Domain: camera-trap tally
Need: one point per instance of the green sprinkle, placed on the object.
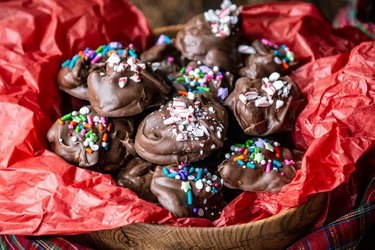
(183, 70)
(87, 135)
(205, 89)
(66, 117)
(180, 79)
(98, 50)
(77, 129)
(82, 117)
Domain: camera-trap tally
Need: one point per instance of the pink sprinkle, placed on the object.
(131, 46)
(224, 12)
(287, 162)
(282, 173)
(240, 150)
(188, 69)
(170, 59)
(83, 131)
(97, 58)
(268, 166)
(173, 171)
(104, 121)
(89, 119)
(70, 126)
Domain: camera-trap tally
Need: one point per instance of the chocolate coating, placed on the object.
(69, 144)
(261, 121)
(206, 199)
(197, 42)
(165, 137)
(137, 175)
(108, 98)
(73, 81)
(263, 63)
(259, 179)
(164, 58)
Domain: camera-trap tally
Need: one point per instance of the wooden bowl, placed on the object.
(276, 232)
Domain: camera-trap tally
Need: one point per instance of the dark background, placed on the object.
(168, 12)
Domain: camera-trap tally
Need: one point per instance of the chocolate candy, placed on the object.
(259, 165)
(137, 175)
(125, 88)
(188, 191)
(265, 106)
(72, 77)
(163, 56)
(264, 57)
(186, 129)
(212, 38)
(89, 140)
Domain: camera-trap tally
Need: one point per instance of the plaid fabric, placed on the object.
(347, 231)
(13, 242)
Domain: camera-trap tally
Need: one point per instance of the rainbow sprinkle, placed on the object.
(194, 177)
(100, 54)
(251, 153)
(82, 126)
(198, 79)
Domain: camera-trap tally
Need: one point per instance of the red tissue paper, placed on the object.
(42, 194)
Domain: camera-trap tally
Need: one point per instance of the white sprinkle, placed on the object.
(201, 152)
(101, 74)
(263, 162)
(215, 68)
(211, 109)
(177, 177)
(277, 60)
(104, 144)
(214, 177)
(274, 76)
(74, 113)
(213, 146)
(279, 104)
(191, 177)
(94, 147)
(60, 140)
(155, 66)
(208, 189)
(227, 156)
(199, 184)
(84, 110)
(209, 182)
(74, 139)
(190, 95)
(276, 144)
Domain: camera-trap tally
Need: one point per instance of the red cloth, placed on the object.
(42, 194)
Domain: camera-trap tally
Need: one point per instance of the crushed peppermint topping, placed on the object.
(224, 19)
(272, 86)
(187, 121)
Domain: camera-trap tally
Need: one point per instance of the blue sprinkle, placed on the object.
(240, 162)
(73, 61)
(277, 163)
(206, 170)
(183, 177)
(64, 64)
(165, 171)
(199, 175)
(214, 189)
(132, 53)
(283, 47)
(105, 50)
(191, 170)
(250, 165)
(120, 51)
(276, 52)
(251, 150)
(189, 198)
(167, 39)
